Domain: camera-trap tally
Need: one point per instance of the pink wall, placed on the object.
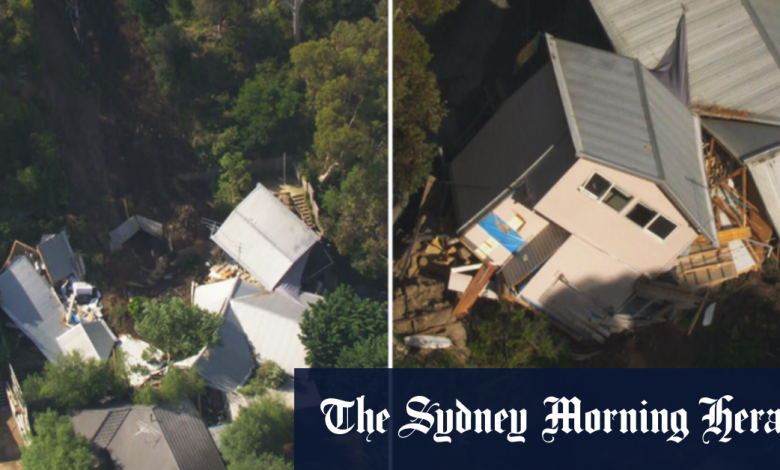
(610, 231)
(587, 268)
(534, 224)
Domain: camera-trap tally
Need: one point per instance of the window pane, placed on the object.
(617, 199)
(662, 227)
(641, 215)
(597, 185)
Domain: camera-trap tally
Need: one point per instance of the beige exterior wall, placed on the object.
(508, 209)
(587, 268)
(610, 231)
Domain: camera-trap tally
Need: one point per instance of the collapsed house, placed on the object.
(165, 437)
(258, 326)
(43, 293)
(610, 187)
(259, 291)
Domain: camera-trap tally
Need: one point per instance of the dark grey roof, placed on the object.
(166, 437)
(509, 144)
(533, 254)
(187, 436)
(621, 116)
(744, 140)
(101, 337)
(58, 257)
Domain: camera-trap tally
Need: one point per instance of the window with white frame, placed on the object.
(604, 191)
(651, 221)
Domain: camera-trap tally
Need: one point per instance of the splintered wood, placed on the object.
(743, 233)
(475, 288)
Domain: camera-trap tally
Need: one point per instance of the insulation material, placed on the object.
(502, 233)
(743, 261)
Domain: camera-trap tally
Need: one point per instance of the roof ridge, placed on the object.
(639, 70)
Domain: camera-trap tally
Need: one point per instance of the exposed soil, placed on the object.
(118, 139)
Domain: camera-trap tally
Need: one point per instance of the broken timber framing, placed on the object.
(475, 288)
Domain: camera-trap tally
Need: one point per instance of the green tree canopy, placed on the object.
(340, 321)
(512, 337)
(417, 105)
(56, 445)
(346, 90)
(264, 427)
(72, 382)
(176, 328)
(235, 179)
(264, 461)
(264, 103)
(269, 376)
(174, 386)
(370, 353)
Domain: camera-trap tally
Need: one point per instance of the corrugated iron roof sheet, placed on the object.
(264, 237)
(187, 436)
(58, 257)
(271, 323)
(228, 365)
(165, 437)
(92, 340)
(533, 254)
(620, 115)
(28, 299)
(732, 49)
(746, 141)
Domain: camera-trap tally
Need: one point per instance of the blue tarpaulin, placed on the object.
(502, 233)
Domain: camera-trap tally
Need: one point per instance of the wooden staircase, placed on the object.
(299, 200)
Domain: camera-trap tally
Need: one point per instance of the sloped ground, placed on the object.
(118, 138)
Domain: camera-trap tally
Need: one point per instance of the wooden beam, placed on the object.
(744, 196)
(475, 288)
(729, 235)
(708, 267)
(698, 313)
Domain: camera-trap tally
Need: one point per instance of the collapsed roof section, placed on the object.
(266, 238)
(29, 300)
(257, 324)
(733, 47)
(59, 258)
(621, 116)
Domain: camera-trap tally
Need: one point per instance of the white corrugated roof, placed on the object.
(271, 322)
(264, 237)
(733, 45)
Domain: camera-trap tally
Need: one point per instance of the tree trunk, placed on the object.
(295, 8)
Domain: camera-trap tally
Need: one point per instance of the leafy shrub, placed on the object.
(269, 376)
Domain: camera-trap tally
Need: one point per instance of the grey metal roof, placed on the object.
(732, 49)
(264, 237)
(271, 323)
(92, 340)
(533, 254)
(620, 115)
(28, 299)
(166, 437)
(187, 436)
(746, 141)
(526, 126)
(58, 257)
(228, 365)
